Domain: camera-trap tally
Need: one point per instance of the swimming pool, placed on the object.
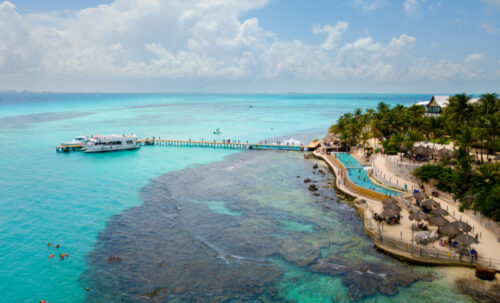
(358, 174)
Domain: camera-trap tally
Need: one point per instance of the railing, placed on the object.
(439, 255)
(377, 176)
(356, 188)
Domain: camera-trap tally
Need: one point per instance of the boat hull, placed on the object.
(103, 149)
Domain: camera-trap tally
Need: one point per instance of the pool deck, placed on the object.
(385, 236)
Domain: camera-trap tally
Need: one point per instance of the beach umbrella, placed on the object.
(389, 200)
(430, 203)
(462, 226)
(439, 212)
(448, 230)
(420, 195)
(465, 239)
(387, 213)
(444, 153)
(417, 216)
(420, 150)
(392, 206)
(438, 221)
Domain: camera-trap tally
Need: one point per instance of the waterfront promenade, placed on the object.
(397, 239)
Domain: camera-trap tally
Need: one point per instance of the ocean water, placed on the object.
(209, 214)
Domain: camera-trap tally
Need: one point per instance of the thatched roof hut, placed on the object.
(439, 212)
(417, 216)
(438, 221)
(430, 203)
(448, 230)
(462, 226)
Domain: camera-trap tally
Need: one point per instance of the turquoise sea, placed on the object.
(185, 224)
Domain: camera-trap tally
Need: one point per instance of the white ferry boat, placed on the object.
(104, 143)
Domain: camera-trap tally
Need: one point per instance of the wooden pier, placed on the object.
(209, 144)
(218, 144)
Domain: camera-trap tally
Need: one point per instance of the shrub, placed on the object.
(446, 177)
(391, 152)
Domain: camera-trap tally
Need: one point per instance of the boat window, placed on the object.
(130, 142)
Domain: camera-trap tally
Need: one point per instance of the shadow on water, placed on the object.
(236, 230)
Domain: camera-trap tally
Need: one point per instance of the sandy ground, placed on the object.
(488, 246)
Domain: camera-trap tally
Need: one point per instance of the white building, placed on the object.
(437, 103)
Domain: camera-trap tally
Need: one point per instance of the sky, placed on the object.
(250, 46)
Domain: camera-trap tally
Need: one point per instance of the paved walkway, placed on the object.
(488, 246)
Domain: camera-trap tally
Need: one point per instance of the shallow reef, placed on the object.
(205, 234)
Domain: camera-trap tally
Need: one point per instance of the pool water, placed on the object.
(358, 174)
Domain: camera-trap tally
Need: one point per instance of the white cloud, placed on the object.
(196, 41)
(489, 27)
(369, 5)
(334, 33)
(412, 8)
(434, 5)
(474, 57)
(403, 43)
(492, 5)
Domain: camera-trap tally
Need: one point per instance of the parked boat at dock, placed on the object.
(76, 141)
(105, 143)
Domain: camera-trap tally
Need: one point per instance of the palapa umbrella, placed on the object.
(389, 200)
(420, 195)
(448, 230)
(417, 216)
(465, 239)
(392, 206)
(445, 153)
(420, 150)
(462, 226)
(389, 212)
(429, 203)
(439, 212)
(438, 221)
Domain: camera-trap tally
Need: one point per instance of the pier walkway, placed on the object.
(209, 144)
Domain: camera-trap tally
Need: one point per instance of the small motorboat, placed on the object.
(76, 141)
(218, 131)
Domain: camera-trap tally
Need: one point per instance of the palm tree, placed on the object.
(452, 129)
(435, 125)
(489, 104)
(365, 137)
(396, 142)
(466, 138)
(459, 108)
(491, 125)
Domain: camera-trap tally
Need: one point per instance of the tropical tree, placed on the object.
(489, 104)
(435, 126)
(459, 108)
(491, 126)
(466, 138)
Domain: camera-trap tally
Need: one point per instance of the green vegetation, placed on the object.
(473, 127)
